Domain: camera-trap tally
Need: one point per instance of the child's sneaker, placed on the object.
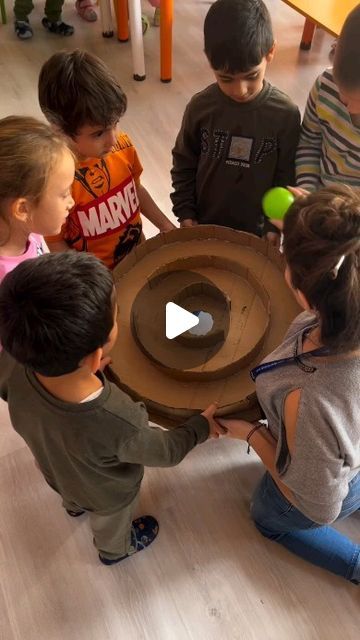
(156, 18)
(143, 532)
(59, 27)
(23, 29)
(85, 9)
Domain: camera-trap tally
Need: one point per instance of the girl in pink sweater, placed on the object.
(37, 172)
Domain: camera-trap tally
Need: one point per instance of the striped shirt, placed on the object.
(329, 147)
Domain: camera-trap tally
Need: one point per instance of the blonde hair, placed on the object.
(29, 149)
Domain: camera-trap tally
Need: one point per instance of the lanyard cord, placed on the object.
(274, 364)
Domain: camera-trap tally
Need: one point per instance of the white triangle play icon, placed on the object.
(178, 320)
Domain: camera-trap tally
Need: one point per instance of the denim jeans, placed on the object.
(276, 518)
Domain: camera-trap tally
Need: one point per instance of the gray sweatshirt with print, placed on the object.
(228, 154)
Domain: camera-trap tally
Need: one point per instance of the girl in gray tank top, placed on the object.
(309, 390)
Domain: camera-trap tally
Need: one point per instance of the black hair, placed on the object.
(238, 34)
(347, 53)
(55, 310)
(76, 89)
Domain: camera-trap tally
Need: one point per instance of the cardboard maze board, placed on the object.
(237, 281)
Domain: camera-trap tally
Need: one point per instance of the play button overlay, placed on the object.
(178, 320)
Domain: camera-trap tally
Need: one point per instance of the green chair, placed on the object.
(3, 11)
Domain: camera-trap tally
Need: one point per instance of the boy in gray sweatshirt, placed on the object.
(238, 136)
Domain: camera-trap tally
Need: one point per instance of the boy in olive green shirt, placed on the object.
(90, 440)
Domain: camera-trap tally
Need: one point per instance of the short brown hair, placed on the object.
(318, 230)
(347, 53)
(29, 150)
(76, 89)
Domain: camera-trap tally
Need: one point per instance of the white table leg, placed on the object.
(137, 44)
(106, 20)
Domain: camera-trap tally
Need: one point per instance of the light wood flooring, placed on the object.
(209, 575)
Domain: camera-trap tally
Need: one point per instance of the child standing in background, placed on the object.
(239, 136)
(86, 10)
(37, 171)
(329, 147)
(52, 20)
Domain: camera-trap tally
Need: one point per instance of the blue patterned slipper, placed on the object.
(143, 532)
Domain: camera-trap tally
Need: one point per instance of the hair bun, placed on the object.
(336, 221)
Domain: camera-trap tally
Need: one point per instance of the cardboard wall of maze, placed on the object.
(246, 269)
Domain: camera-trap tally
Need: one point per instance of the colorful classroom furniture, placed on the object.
(327, 14)
(128, 18)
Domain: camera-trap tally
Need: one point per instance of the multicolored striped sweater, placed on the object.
(329, 147)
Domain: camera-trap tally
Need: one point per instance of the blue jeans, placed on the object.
(276, 518)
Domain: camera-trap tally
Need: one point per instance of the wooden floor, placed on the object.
(209, 575)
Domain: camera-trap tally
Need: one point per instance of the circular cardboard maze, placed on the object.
(237, 280)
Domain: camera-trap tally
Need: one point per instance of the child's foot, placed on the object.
(23, 29)
(59, 27)
(85, 9)
(143, 532)
(145, 24)
(156, 19)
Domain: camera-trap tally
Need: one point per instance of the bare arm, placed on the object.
(151, 211)
(315, 472)
(262, 441)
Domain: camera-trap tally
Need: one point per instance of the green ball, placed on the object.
(276, 202)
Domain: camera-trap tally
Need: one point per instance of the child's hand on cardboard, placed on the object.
(273, 238)
(166, 226)
(188, 222)
(215, 429)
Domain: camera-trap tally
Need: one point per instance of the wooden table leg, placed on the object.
(137, 41)
(106, 20)
(307, 35)
(166, 23)
(122, 19)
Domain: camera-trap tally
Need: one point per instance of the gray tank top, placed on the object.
(326, 455)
